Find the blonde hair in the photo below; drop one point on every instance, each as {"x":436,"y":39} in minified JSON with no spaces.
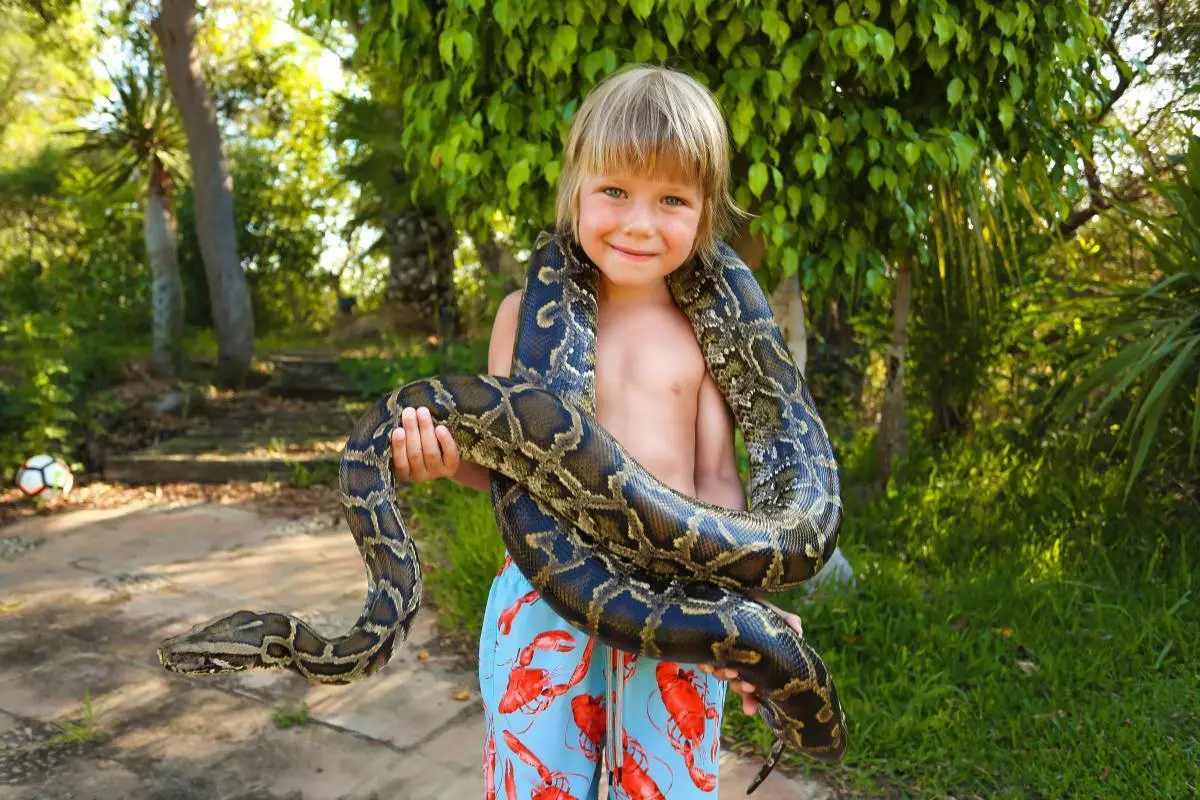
{"x":643,"y":119}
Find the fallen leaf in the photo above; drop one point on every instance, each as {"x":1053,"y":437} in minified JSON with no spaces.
{"x":1005,"y":632}
{"x":1028,"y":667}
{"x":958,"y":624}
{"x":1104,"y":774}
{"x":462,"y":695}
{"x":423,"y":655}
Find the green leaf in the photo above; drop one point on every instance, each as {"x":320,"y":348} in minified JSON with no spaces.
{"x":464,"y":43}
{"x":446,"y":46}
{"x":954,"y":91}
{"x":1015,"y":86}
{"x":885,"y":45}
{"x":673,"y":25}
{"x":903,"y":34}
{"x":758,"y":178}
{"x":875,"y":177}
{"x":876,"y":281}
{"x":518,"y":175}
{"x":641,"y":8}
{"x":841,"y":16}
{"x":513,"y":53}
{"x":936,"y":55}
{"x":820,"y":162}
{"x":567,"y":38}
{"x":817,"y":202}
{"x":1006,"y":21}
{"x":1006,"y":112}
{"x":794,"y":198}
{"x":791,"y":262}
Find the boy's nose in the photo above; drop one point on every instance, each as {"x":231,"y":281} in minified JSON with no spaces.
{"x":639,"y":222}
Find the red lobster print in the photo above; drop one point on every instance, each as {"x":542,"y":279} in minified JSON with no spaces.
{"x":489,"y":760}
{"x":509,"y":614}
{"x":554,"y":785}
{"x":686,"y":715}
{"x":588,"y":713}
{"x":635,"y":781}
{"x":510,"y":781}
{"x":530,"y":690}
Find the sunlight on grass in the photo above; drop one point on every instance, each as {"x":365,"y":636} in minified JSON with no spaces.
{"x":1044,"y":561}
{"x":1015,"y":630}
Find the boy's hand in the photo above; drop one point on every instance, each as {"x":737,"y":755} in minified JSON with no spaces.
{"x":422,"y":451}
{"x":746,"y":690}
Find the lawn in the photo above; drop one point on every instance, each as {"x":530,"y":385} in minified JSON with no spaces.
{"x":1016,"y":629}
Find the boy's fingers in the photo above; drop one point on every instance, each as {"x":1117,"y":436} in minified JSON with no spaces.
{"x":449,"y":448}
{"x":399,"y":454}
{"x":412,"y":444}
{"x":429,"y":443}
{"x":749,"y":705}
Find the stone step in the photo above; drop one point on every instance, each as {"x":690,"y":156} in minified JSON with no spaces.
{"x":141,"y":468}
{"x":309,"y":376}
{"x":240,"y":442}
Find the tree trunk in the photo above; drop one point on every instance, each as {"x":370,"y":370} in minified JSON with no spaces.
{"x":166,"y":288}
{"x":893,"y":435}
{"x":787,"y":304}
{"x":421,"y":280}
{"x":496,"y":259}
{"x":175,"y":29}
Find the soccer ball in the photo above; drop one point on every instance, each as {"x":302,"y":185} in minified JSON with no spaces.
{"x":45,"y":477}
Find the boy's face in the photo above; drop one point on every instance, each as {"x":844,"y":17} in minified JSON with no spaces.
{"x":638,"y":228}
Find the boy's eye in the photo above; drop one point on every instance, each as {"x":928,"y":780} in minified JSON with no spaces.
{"x":613,"y":191}
{"x":672,"y":200}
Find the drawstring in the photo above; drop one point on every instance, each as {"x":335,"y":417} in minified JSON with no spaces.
{"x":615,"y":684}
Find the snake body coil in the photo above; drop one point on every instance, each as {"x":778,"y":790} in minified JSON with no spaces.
{"x":613,"y":551}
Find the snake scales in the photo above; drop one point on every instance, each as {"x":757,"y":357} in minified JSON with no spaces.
{"x":613,"y":551}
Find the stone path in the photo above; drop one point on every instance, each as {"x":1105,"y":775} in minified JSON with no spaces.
{"x":86,"y":595}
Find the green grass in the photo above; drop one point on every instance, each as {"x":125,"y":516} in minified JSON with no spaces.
{"x":291,"y":715}
{"x":82,"y":731}
{"x":1016,"y":631}
{"x":461,"y":552}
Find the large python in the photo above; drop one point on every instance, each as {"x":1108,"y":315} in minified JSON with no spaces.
{"x":615,"y":552}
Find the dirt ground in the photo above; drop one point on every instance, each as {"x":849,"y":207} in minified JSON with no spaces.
{"x":89,"y":587}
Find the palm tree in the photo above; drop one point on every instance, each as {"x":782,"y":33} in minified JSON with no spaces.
{"x":174,"y":27}
{"x":1145,"y":359}
{"x":138,"y":139}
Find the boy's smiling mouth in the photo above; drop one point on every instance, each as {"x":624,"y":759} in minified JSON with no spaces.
{"x":635,"y":254}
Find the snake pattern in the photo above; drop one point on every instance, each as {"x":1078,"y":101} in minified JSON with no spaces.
{"x":611,"y":549}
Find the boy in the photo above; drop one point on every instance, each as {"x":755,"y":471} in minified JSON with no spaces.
{"x":644,"y":188}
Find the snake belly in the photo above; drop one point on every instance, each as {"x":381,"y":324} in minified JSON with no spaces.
{"x":613,"y":551}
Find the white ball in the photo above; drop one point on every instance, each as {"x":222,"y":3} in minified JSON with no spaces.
{"x":45,"y":476}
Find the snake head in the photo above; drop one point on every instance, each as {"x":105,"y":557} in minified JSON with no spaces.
{"x":232,"y":643}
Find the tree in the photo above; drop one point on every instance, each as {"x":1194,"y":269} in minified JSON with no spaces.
{"x":139,"y":140}
{"x":416,"y":237}
{"x":841,"y":114}
{"x":175,"y":29}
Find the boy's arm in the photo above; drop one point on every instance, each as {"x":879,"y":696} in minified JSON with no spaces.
{"x":717,"y":480}
{"x":422,"y":451}
{"x":500,"y":354}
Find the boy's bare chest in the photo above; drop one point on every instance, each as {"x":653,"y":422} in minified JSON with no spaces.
{"x":651,"y":369}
